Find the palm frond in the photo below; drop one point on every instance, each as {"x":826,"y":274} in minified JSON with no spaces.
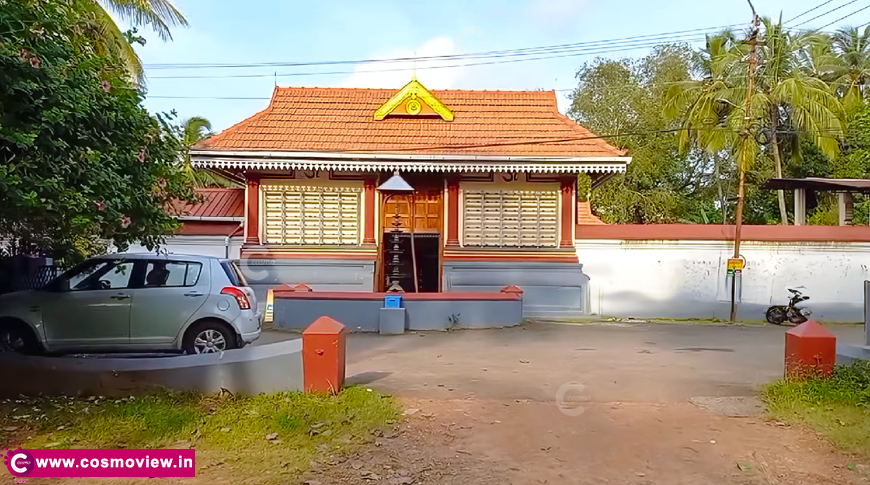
{"x":159,"y":14}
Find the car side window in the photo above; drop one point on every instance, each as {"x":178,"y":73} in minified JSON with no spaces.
{"x":165,"y":274}
{"x":101,"y":275}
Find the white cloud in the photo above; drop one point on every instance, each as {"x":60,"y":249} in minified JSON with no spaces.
{"x":396,"y":74}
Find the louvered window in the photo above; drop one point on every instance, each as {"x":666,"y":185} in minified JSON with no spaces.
{"x":312,"y":215}
{"x":510,"y":218}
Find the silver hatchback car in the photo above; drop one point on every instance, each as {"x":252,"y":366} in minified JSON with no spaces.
{"x":134,"y":302}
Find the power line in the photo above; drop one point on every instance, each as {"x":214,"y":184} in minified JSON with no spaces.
{"x":808,"y":11}
{"x":477,"y":55}
{"x":826,"y":13}
{"x":847,"y":16}
{"x":567,"y":53}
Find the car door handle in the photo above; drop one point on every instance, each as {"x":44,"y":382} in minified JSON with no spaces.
{"x":193,"y":293}
{"x":120,"y":296}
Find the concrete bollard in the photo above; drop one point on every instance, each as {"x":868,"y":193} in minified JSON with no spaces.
{"x":810,"y":350}
{"x":324,"y":347}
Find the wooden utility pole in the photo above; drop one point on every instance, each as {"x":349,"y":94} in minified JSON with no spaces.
{"x":745,"y":149}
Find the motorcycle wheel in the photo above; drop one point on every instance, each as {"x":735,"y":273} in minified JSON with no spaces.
{"x":776,"y":315}
{"x":797,"y":318}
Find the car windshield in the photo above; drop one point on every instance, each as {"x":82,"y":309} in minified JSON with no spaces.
{"x":98,"y":274}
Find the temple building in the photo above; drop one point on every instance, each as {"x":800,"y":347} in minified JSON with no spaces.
{"x":493,"y":176}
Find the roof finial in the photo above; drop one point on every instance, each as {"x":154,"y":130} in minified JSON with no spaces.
{"x":414,"y":76}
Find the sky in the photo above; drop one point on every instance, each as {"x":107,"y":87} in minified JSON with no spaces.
{"x":290,"y":31}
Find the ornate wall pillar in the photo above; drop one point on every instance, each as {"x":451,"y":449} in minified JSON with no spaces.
{"x":252,"y":232}
{"x":569,"y":205}
{"x":370,"y":210}
{"x":453,"y":210}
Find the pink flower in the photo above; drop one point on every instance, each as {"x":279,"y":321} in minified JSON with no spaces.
{"x":23,"y":55}
{"x":106,"y":86}
{"x":126,"y":221}
{"x":100,"y":205}
{"x":161,"y":182}
{"x":34,"y":61}
{"x":141,"y":155}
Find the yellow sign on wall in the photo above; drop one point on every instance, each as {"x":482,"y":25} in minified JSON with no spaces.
{"x":735,"y":265}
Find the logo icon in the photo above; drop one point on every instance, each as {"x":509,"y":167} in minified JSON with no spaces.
{"x":19,"y":462}
{"x":570,"y":398}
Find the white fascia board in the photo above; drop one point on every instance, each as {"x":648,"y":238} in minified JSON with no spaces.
{"x":413,"y":162}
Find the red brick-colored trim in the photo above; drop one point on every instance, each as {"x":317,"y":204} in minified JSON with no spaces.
{"x":370,"y":211}
{"x":713,"y":232}
{"x":569,"y":201}
{"x":253,"y":218}
{"x":283,"y":292}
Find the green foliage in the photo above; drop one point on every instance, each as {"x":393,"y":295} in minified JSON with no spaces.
{"x":80,"y":159}
{"x":622,"y":99}
{"x":836,"y":406}
{"x":264,"y":430}
{"x":191,"y":131}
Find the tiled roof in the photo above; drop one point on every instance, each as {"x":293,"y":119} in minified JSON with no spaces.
{"x":585,"y":215}
{"x":229,"y":202}
{"x":342,"y":120}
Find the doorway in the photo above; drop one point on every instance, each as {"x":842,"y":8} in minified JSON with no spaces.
{"x":427,"y":250}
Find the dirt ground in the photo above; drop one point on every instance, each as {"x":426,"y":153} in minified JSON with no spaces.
{"x":485,"y":407}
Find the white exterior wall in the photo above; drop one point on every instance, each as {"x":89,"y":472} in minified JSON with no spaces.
{"x":217,"y":246}
{"x":687,"y":279}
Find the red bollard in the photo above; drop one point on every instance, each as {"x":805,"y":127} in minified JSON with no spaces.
{"x":323,"y":355}
{"x":810,"y":350}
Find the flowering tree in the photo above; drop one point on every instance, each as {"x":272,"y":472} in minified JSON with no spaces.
{"x":81,"y":160}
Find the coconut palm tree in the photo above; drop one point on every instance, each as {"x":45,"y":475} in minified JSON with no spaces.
{"x":790,"y":101}
{"x":160,"y":15}
{"x":701,"y":105}
{"x":191,"y":131}
{"x":851,"y":69}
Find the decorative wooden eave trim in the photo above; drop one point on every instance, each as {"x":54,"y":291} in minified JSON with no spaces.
{"x":414,"y":89}
{"x":381,"y":162}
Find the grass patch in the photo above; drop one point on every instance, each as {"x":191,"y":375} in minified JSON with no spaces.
{"x":837,"y":407}
{"x":283,"y":431}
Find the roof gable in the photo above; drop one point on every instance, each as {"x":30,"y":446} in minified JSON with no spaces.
{"x":333,"y":120}
{"x":414,"y":98}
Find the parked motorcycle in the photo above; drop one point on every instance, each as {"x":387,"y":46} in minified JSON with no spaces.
{"x":779,"y":314}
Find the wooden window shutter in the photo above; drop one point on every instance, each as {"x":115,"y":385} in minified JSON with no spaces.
{"x":312,"y":215}
{"x":510,"y":218}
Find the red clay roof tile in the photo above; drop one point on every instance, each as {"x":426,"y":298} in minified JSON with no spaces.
{"x":518,"y":123}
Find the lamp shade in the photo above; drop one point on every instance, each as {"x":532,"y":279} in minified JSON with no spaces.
{"x":396,"y":185}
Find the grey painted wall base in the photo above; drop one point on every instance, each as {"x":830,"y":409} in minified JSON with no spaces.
{"x":252,"y":370}
{"x":392,"y":321}
{"x":846,"y":354}
{"x":549,"y":289}
{"x":319,"y":274}
{"x":364,"y":315}
{"x":436,"y":315}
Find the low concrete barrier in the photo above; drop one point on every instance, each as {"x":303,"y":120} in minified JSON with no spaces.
{"x":846,"y":354}
{"x":252,"y":370}
{"x":360,"y":311}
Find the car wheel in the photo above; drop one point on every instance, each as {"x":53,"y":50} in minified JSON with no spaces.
{"x":16,"y":337}
{"x":209,"y":337}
